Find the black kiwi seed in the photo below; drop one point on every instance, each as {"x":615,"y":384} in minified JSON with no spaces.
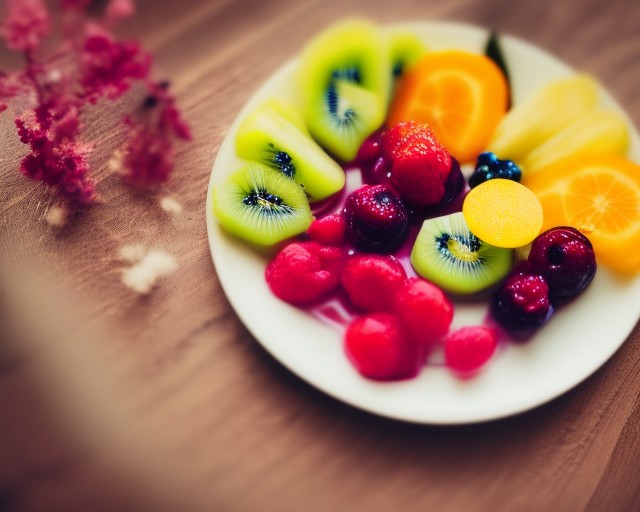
{"x":267,"y":203}
{"x":345,"y":118}
{"x":398,"y":68}
{"x":471,"y":243}
{"x":332,"y":99}
{"x":350,"y":73}
{"x":281,"y":161}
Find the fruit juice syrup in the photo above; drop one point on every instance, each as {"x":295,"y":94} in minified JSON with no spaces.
{"x":336,"y":310}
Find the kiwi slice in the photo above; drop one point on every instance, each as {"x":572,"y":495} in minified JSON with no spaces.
{"x":344,"y":84}
{"x":405,"y":50}
{"x":449,"y":255}
{"x":289,"y":111}
{"x":261,"y":205}
{"x":272,"y":135}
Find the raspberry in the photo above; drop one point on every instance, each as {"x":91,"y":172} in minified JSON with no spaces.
{"x":424,"y":310}
{"x":468,"y":348}
{"x":522,"y":303}
{"x":420,"y":165}
{"x":328,"y":230}
{"x":377,"y":347}
{"x":371,"y":281}
{"x":303,"y":273}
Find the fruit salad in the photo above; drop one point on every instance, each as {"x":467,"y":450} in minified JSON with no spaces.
{"x":402,"y":182}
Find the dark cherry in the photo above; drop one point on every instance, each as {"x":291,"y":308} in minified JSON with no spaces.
{"x":453,"y":187}
{"x":370,"y":149}
{"x":376,"y":219}
{"x":522,"y":303}
{"x":375,"y":166}
{"x":565,"y":258}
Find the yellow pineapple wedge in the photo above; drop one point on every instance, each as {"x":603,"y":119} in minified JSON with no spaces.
{"x":599,"y":132}
{"x":539,"y":117}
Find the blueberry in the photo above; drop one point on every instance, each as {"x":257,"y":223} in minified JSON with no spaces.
{"x":488,"y":167}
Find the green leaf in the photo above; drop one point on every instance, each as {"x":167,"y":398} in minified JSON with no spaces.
{"x":493,"y":50}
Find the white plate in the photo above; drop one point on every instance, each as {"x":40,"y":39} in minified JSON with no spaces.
{"x":576,"y":342}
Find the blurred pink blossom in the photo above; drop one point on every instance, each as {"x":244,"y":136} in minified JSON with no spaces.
{"x":117,"y":9}
{"x":25,"y":24}
{"x":86,"y":65}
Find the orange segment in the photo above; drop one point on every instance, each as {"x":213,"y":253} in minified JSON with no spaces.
{"x":461,"y":95}
{"x":600,"y":196}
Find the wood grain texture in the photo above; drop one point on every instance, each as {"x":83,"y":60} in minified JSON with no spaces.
{"x":168,"y":403}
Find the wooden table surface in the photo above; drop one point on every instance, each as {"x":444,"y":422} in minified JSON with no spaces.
{"x":166,"y":402}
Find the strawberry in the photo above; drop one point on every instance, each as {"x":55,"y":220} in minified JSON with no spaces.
{"x":378,"y":348}
{"x":371,"y":281}
{"x":469,"y":348}
{"x":304,"y":273}
{"x":420,"y":165}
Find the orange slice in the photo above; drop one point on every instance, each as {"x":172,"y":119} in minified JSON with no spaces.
{"x":599,"y":196}
{"x":503,"y":213}
{"x":461,"y":95}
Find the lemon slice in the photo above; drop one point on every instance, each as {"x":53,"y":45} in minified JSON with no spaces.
{"x":503,"y":213}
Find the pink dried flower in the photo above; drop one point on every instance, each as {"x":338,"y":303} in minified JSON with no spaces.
{"x":74,"y":4}
{"x":85,"y":66}
{"x":55,"y":159}
{"x":110,"y":66}
{"x":148,"y":154}
{"x":10,"y":86}
{"x":117,"y":9}
{"x":171,"y":117}
{"x":25,"y":24}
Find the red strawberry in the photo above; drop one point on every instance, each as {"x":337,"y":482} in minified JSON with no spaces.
{"x":424,"y":310}
{"x":371,"y":281}
{"x":468,"y":348}
{"x":303,"y":273}
{"x":420,"y":165}
{"x":328,"y":230}
{"x":378,"y":348}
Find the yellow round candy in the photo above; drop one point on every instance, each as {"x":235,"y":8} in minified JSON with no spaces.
{"x":503,"y":213}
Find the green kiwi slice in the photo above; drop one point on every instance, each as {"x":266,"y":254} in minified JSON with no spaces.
{"x":344,"y":83}
{"x":261,"y":205}
{"x":449,"y":255}
{"x":272,"y":135}
{"x":405,"y":50}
